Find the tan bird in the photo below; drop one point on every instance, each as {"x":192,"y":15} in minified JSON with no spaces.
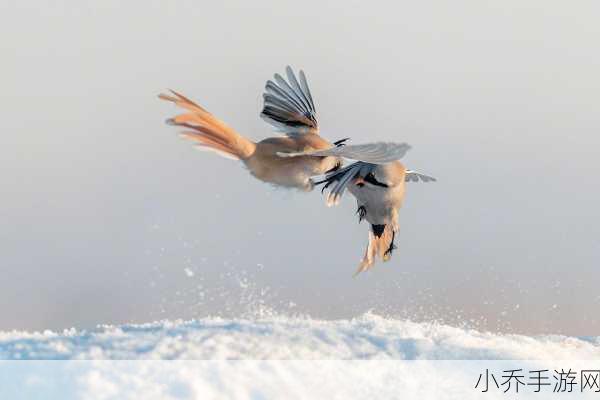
{"x":378,"y":186}
{"x":289,"y":107}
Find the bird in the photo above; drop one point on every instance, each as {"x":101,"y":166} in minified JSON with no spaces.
{"x":292,"y":160}
{"x":378,"y":184}
{"x":289,"y":107}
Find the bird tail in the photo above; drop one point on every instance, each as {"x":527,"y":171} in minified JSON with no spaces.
{"x":209,"y":132}
{"x":381,"y":244}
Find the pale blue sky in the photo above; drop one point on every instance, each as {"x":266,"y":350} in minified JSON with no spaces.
{"x":104,"y":207}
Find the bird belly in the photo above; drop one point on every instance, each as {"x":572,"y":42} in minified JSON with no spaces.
{"x":294,"y":172}
{"x":381,"y":204}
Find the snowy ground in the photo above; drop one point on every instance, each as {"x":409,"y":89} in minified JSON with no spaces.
{"x":366,"y":337}
{"x":295,"y":357}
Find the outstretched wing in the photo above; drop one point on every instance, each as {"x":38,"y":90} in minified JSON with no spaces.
{"x":413,"y":176}
{"x":289,"y":106}
{"x":341,"y":178}
{"x":374,"y":153}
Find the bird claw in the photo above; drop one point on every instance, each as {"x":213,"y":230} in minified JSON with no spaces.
{"x":361,"y":211}
{"x":388,"y":253}
{"x":341,"y":142}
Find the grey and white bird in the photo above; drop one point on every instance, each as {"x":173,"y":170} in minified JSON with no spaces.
{"x":289,"y":107}
{"x":377,"y":182}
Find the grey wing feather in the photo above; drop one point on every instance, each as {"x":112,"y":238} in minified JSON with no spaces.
{"x":335,"y":195}
{"x":288,"y":106}
{"x":297,"y":89}
{"x":413,"y":176}
{"x":272,"y":88}
{"x":306,"y":89}
{"x":342,"y":178}
{"x":375,"y":153}
{"x":277,"y":102}
{"x":289,"y":90}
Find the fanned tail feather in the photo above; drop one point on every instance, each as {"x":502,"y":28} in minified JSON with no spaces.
{"x":209,"y":132}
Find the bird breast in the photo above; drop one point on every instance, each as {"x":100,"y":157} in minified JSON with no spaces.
{"x":381,"y":203}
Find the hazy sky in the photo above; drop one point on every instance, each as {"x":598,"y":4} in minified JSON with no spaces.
{"x":108,"y":217}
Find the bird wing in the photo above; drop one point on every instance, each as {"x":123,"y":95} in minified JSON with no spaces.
{"x":341,"y":178}
{"x":374,"y":153}
{"x":289,"y":106}
{"x":413,"y":176}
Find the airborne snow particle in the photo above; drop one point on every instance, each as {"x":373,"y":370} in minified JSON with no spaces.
{"x":188,"y":272}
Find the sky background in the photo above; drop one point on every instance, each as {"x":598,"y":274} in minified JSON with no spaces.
{"x":108,"y":217}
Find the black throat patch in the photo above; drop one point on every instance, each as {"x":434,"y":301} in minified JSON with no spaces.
{"x":378,"y":230}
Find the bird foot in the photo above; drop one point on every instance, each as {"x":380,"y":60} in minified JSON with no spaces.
{"x":388,"y":253}
{"x":341,"y":142}
{"x":362,"y":211}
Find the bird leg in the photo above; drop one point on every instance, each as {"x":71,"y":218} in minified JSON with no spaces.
{"x":390,"y":249}
{"x":362,"y":211}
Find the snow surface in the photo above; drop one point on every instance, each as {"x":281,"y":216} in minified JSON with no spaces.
{"x":286,"y":338}
{"x":282,"y":357}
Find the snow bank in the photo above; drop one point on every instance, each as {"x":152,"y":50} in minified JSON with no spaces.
{"x":283,"y":357}
{"x":368,"y":337}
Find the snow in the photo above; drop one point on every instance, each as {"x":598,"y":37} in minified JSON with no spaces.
{"x":188,"y":272}
{"x":278,"y":337}
{"x":279,"y":357}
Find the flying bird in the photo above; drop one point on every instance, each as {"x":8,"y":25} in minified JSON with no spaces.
{"x":377,"y":183}
{"x":376,"y":179}
{"x":289,"y":107}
